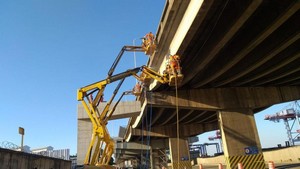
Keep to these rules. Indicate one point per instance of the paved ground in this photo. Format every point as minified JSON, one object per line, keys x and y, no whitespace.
{"x":289,"y":166}
{"x":207,"y":167}
{"x":277,"y":166}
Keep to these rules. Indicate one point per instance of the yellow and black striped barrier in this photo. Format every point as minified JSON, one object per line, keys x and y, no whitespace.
{"x":182,"y":165}
{"x":254,"y":161}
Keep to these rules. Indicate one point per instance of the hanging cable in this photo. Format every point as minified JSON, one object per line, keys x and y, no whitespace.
{"x":142,"y":143}
{"x":146,"y":142}
{"x":149,"y":130}
{"x":177,"y":120}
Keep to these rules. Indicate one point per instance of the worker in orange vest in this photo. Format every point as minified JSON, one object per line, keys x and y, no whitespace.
{"x":148,"y":40}
{"x":137,"y":89}
{"x":175,"y":64}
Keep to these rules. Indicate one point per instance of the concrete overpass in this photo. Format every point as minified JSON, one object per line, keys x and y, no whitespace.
{"x":238,"y":57}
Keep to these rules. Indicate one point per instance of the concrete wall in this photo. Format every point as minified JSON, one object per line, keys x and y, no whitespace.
{"x":291,"y":154}
{"x":84,"y":129}
{"x":125,"y":109}
{"x":284,"y":155}
{"x":211,"y":160}
{"x":10,"y":159}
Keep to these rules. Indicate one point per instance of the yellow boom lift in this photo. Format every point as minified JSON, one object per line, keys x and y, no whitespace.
{"x":101,"y":145}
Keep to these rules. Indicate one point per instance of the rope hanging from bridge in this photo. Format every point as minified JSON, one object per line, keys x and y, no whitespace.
{"x":145,"y":155}
{"x":142,"y":143}
{"x":149,"y":130}
{"x":177,"y":120}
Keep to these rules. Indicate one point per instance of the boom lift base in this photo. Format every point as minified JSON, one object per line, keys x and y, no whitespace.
{"x":99,"y":167}
{"x":150,"y":49}
{"x":173,"y":79}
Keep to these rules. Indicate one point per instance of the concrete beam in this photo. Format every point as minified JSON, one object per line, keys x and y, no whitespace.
{"x":123,"y":110}
{"x":122,"y":152}
{"x":227,"y":37}
{"x":178,"y":15}
{"x":135,"y":146}
{"x":225,"y":98}
{"x":185,"y":130}
{"x":171,"y":18}
{"x":132,"y":146}
{"x":139,"y":132}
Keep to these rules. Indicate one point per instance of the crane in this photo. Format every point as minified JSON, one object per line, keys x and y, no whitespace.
{"x":289,"y":114}
{"x":101,"y":145}
{"x":217,"y":136}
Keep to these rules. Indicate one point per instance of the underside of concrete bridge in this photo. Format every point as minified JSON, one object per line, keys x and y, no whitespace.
{"x":198,"y":108}
{"x":237,"y":57}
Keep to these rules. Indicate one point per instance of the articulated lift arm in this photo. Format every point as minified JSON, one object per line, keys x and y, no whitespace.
{"x":110,"y":113}
{"x":148,"y":46}
{"x":101,"y":146}
{"x":124,"y":48}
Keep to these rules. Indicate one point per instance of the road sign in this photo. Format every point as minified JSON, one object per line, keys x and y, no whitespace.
{"x":251,"y":150}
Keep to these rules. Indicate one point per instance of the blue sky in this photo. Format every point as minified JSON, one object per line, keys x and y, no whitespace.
{"x":50,"y":48}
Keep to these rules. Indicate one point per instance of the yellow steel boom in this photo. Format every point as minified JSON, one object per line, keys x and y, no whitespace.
{"x":101,"y":146}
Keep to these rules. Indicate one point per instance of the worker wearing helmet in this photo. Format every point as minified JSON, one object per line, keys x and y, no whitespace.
{"x":149,"y":38}
{"x":175,"y":65}
{"x":148,"y":43}
{"x":137,"y":89}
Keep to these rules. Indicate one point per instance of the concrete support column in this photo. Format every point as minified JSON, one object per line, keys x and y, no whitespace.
{"x":180,"y":153}
{"x":240,"y":138}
